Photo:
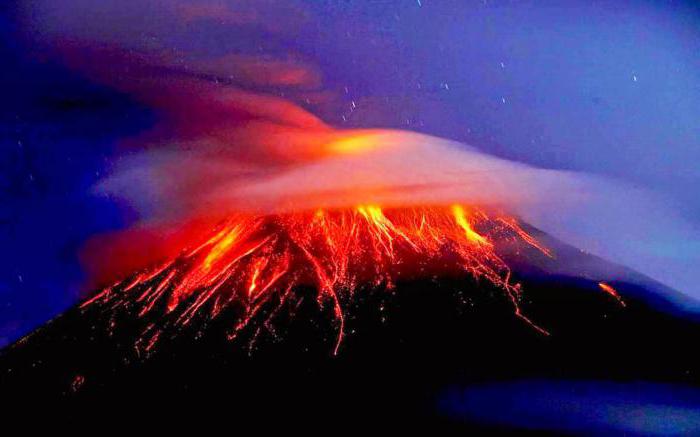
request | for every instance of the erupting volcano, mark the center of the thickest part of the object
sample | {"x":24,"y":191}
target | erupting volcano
{"x":320,"y":215}
{"x":255,"y":263}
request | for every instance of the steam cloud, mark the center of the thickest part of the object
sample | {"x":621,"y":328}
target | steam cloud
{"x":227,"y":141}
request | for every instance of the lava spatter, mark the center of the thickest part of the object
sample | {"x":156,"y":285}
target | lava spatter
{"x":256,"y":260}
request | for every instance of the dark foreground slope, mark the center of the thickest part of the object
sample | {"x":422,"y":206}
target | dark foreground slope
{"x":404,"y":353}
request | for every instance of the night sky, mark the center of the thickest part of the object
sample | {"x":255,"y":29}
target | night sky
{"x":610,"y":88}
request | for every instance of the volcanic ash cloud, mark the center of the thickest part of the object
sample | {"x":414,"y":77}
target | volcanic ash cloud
{"x":229,"y":137}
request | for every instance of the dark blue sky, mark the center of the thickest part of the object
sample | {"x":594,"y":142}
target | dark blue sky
{"x":606,"y":87}
{"x":58,"y":133}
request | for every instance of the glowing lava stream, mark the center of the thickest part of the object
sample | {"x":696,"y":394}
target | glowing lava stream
{"x":612,"y":292}
{"x":251,"y":261}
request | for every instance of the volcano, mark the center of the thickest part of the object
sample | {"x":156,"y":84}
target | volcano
{"x":141,"y":359}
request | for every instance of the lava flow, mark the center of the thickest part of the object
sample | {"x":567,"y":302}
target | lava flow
{"x":257,"y":261}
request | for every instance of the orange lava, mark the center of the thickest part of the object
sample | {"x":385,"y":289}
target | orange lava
{"x":612,"y":292}
{"x":253,"y":260}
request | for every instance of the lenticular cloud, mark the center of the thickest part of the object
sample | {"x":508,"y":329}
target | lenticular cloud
{"x":231,"y":134}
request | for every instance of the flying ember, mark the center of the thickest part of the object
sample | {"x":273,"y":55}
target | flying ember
{"x":257,"y":261}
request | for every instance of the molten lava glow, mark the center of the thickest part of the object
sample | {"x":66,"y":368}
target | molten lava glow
{"x":253,"y":262}
{"x":463,"y":223}
{"x":220,"y":247}
{"x":352,"y":145}
{"x":612,"y":292}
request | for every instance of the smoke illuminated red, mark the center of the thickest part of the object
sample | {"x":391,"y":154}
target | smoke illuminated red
{"x":253,"y":260}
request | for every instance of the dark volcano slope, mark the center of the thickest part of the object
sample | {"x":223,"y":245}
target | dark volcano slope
{"x":391,"y":365}
{"x":403,"y":348}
